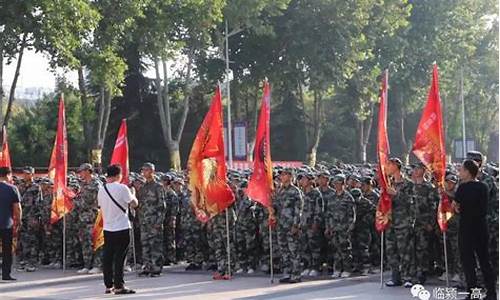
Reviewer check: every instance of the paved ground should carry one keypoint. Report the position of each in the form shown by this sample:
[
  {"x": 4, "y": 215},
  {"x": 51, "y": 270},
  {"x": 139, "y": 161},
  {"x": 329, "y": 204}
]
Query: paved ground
[{"x": 177, "y": 284}]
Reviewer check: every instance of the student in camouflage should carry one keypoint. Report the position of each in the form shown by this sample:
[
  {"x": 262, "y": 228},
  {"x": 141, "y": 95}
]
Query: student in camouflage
[
  {"x": 424, "y": 205},
  {"x": 362, "y": 234},
  {"x": 172, "y": 208},
  {"x": 151, "y": 214},
  {"x": 327, "y": 194},
  {"x": 373, "y": 196},
  {"x": 246, "y": 231},
  {"x": 310, "y": 225},
  {"x": 399, "y": 239},
  {"x": 340, "y": 217},
  {"x": 289, "y": 204},
  {"x": 31, "y": 194}
]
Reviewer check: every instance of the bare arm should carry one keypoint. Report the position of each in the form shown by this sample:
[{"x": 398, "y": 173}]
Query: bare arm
[{"x": 18, "y": 214}]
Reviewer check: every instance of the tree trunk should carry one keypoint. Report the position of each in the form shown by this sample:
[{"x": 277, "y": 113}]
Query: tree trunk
[
  {"x": 175, "y": 156},
  {"x": 360, "y": 139},
  {"x": 401, "y": 120},
  {"x": 187, "y": 98},
  {"x": 366, "y": 133},
  {"x": 87, "y": 125},
  {"x": 107, "y": 113},
  {"x": 165, "y": 128},
  {"x": 100, "y": 120},
  {"x": 313, "y": 148},
  {"x": 14, "y": 81}
]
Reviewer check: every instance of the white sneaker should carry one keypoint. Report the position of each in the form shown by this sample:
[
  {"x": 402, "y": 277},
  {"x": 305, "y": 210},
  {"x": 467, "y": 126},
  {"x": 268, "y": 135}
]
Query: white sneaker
[
  {"x": 30, "y": 269},
  {"x": 250, "y": 271},
  {"x": 95, "y": 270},
  {"x": 305, "y": 273},
  {"x": 127, "y": 269},
  {"x": 313, "y": 273},
  {"x": 83, "y": 271},
  {"x": 345, "y": 275},
  {"x": 240, "y": 271},
  {"x": 442, "y": 277},
  {"x": 366, "y": 272},
  {"x": 336, "y": 274}
]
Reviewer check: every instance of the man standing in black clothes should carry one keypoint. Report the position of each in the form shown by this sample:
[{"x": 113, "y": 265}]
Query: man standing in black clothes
[
  {"x": 114, "y": 199},
  {"x": 472, "y": 198},
  {"x": 10, "y": 219}
]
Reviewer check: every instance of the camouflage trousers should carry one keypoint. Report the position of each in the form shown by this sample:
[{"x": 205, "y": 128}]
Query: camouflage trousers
[
  {"x": 85, "y": 239},
  {"x": 311, "y": 248},
  {"x": 53, "y": 243},
  {"x": 152, "y": 245},
  {"x": 361, "y": 241},
  {"x": 264, "y": 246},
  {"x": 193, "y": 244},
  {"x": 289, "y": 247},
  {"x": 342, "y": 250},
  {"x": 454, "y": 262},
  {"x": 374, "y": 246},
  {"x": 73, "y": 246},
  {"x": 422, "y": 255},
  {"x": 399, "y": 243},
  {"x": 30, "y": 246},
  {"x": 217, "y": 241},
  {"x": 245, "y": 245},
  {"x": 169, "y": 245}
]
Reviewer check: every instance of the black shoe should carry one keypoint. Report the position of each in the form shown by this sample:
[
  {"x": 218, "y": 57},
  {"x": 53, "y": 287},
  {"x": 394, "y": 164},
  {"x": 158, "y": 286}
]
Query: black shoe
[
  {"x": 285, "y": 280},
  {"x": 9, "y": 278},
  {"x": 143, "y": 273},
  {"x": 212, "y": 268},
  {"x": 295, "y": 280},
  {"x": 392, "y": 283},
  {"x": 195, "y": 267},
  {"x": 155, "y": 273}
]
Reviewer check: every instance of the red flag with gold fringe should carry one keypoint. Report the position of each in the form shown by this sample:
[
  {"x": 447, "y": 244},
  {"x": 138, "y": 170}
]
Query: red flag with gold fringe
[{"x": 210, "y": 192}]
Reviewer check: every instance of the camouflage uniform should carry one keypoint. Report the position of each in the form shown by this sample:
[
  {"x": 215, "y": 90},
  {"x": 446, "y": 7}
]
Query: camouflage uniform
[
  {"x": 373, "y": 196},
  {"x": 328, "y": 195},
  {"x": 246, "y": 232},
  {"x": 192, "y": 233},
  {"x": 289, "y": 204},
  {"x": 85, "y": 207},
  {"x": 151, "y": 215},
  {"x": 262, "y": 216},
  {"x": 399, "y": 234},
  {"x": 340, "y": 218},
  {"x": 217, "y": 239},
  {"x": 362, "y": 234},
  {"x": 31, "y": 227},
  {"x": 311, "y": 230},
  {"x": 424, "y": 206},
  {"x": 492, "y": 217},
  {"x": 172, "y": 209}
]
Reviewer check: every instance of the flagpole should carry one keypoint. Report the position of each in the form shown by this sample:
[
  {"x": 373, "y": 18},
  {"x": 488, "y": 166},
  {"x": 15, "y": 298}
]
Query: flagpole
[
  {"x": 64, "y": 240},
  {"x": 446, "y": 259},
  {"x": 228, "y": 248},
  {"x": 271, "y": 253},
  {"x": 464, "y": 145},
  {"x": 382, "y": 260},
  {"x": 228, "y": 82}
]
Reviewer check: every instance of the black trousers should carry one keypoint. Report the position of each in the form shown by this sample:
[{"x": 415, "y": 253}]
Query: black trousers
[
  {"x": 115, "y": 251},
  {"x": 6, "y": 236},
  {"x": 472, "y": 242}
]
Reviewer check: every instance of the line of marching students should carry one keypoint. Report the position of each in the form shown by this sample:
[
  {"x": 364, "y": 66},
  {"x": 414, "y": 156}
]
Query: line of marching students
[{"x": 322, "y": 224}]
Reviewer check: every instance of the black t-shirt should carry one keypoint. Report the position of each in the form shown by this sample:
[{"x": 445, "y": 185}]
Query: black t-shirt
[
  {"x": 473, "y": 199},
  {"x": 8, "y": 196}
]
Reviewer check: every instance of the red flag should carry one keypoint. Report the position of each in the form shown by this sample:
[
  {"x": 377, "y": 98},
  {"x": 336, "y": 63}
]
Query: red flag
[
  {"x": 5, "y": 154},
  {"x": 384, "y": 207},
  {"x": 260, "y": 185},
  {"x": 210, "y": 192},
  {"x": 120, "y": 152},
  {"x": 61, "y": 204},
  {"x": 429, "y": 145},
  {"x": 98, "y": 232}
]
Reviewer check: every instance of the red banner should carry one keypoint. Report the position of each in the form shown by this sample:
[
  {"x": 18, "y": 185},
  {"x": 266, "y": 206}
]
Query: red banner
[
  {"x": 384, "y": 207},
  {"x": 429, "y": 145},
  {"x": 120, "y": 152},
  {"x": 61, "y": 204},
  {"x": 98, "y": 232},
  {"x": 260, "y": 185},
  {"x": 210, "y": 192},
  {"x": 5, "y": 154}
]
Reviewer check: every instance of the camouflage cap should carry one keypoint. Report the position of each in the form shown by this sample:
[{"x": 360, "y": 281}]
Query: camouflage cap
[
  {"x": 367, "y": 180},
  {"x": 452, "y": 178},
  {"x": 288, "y": 171},
  {"x": 84, "y": 167},
  {"x": 396, "y": 161},
  {"x": 324, "y": 173},
  {"x": 148, "y": 165},
  {"x": 28, "y": 170},
  {"x": 419, "y": 165},
  {"x": 339, "y": 178}
]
